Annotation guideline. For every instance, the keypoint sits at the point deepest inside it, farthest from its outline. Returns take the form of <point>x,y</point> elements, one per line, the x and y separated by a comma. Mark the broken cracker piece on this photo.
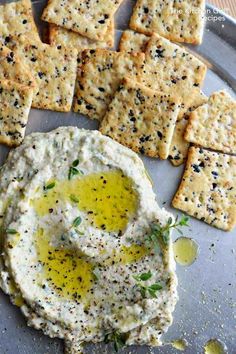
<point>15,103</point>
<point>176,20</point>
<point>214,124</point>
<point>102,73</point>
<point>141,119</point>
<point>208,188</point>
<point>90,18</point>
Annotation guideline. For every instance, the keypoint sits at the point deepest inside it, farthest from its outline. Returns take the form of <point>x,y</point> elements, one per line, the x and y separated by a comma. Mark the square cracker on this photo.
<point>172,69</point>
<point>179,146</point>
<point>12,68</point>
<point>54,69</point>
<point>60,35</point>
<point>177,20</point>
<point>208,188</point>
<point>214,124</point>
<point>16,18</point>
<point>133,42</point>
<point>15,103</point>
<point>90,18</point>
<point>141,119</point>
<point>102,73</point>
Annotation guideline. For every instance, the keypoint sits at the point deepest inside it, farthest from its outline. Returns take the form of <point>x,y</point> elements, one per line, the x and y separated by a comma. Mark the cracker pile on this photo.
<point>208,187</point>
<point>147,96</point>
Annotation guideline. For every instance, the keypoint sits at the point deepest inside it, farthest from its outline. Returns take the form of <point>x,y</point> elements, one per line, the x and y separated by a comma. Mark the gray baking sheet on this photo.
<point>207,290</point>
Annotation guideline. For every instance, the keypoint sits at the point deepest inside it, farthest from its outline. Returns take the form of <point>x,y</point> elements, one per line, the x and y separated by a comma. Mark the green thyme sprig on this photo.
<point>151,289</point>
<point>117,338</point>
<point>161,234</point>
<point>73,170</point>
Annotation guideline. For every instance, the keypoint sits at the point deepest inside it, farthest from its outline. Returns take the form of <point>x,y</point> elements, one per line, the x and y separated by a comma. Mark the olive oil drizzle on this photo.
<point>108,198</point>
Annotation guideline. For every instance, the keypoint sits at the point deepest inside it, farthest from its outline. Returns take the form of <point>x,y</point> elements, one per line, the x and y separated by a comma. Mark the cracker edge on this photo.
<point>175,201</point>
<point>7,140</point>
<point>195,41</point>
<point>193,117</point>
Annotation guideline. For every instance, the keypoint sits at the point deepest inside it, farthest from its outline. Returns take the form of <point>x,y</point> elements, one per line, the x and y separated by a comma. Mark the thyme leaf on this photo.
<point>74,199</point>
<point>75,163</point>
<point>49,186</point>
<point>77,222</point>
<point>161,234</point>
<point>11,231</point>
<point>151,289</point>
<point>73,171</point>
<point>117,338</point>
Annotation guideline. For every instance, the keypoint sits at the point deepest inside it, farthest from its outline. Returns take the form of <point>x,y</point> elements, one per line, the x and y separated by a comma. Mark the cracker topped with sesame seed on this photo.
<point>12,68</point>
<point>16,18</point>
<point>179,146</point>
<point>102,73</point>
<point>172,69</point>
<point>133,42</point>
<point>177,20</point>
<point>208,188</point>
<point>60,35</point>
<point>15,103</point>
<point>54,70</point>
<point>91,18</point>
<point>214,124</point>
<point>141,119</point>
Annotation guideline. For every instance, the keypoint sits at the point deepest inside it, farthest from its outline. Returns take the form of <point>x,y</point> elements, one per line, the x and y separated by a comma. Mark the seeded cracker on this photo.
<point>16,18</point>
<point>12,68</point>
<point>177,20</point>
<point>208,188</point>
<point>133,42</point>
<point>172,69</point>
<point>214,124</point>
<point>179,146</point>
<point>90,18</point>
<point>141,119</point>
<point>102,73</point>
<point>54,70</point>
<point>60,35</point>
<point>15,103</point>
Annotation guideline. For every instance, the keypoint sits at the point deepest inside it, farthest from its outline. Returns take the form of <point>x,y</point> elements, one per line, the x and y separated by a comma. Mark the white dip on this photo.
<point>76,209</point>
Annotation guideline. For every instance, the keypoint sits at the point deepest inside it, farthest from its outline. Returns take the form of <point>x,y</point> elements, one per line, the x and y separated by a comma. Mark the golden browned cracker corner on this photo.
<point>179,146</point>
<point>172,69</point>
<point>102,73</point>
<point>17,19</point>
<point>141,119</point>
<point>214,124</point>
<point>12,68</point>
<point>54,69</point>
<point>178,21</point>
<point>133,42</point>
<point>208,188</point>
<point>91,18</point>
<point>15,103</point>
<point>60,35</point>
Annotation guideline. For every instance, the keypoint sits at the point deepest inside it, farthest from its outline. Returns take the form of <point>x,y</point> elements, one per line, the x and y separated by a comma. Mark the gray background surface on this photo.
<point>207,290</point>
